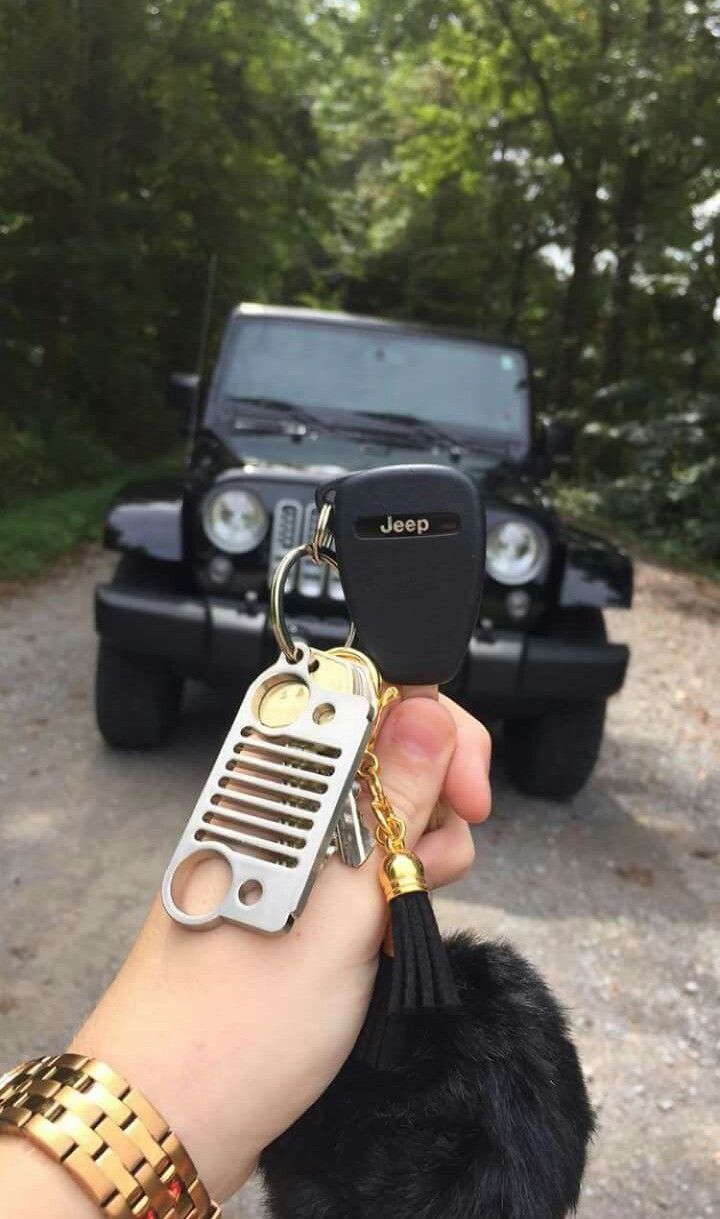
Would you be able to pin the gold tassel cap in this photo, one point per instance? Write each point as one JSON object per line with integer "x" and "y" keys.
{"x": 402, "y": 872}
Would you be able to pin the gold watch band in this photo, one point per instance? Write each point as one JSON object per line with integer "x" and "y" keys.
{"x": 107, "y": 1135}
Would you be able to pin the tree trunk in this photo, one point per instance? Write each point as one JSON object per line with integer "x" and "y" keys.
{"x": 517, "y": 287}
{"x": 627, "y": 237}
{"x": 577, "y": 311}
{"x": 706, "y": 336}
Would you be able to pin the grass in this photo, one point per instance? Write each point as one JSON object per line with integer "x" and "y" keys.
{"x": 37, "y": 533}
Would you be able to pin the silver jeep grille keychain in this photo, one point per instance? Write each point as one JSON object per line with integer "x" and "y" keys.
{"x": 280, "y": 796}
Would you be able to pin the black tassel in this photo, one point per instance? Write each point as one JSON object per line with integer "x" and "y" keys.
{"x": 416, "y": 978}
{"x": 485, "y": 1117}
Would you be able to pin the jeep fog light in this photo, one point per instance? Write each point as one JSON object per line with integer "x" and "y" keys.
{"x": 220, "y": 569}
{"x": 517, "y": 603}
{"x": 234, "y": 520}
{"x": 516, "y": 551}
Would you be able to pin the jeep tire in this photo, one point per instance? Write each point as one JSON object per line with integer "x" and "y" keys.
{"x": 552, "y": 755}
{"x": 137, "y": 699}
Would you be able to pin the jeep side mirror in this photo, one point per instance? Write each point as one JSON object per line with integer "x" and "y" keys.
{"x": 181, "y": 394}
{"x": 558, "y": 440}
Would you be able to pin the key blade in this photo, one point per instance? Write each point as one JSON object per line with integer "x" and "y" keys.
{"x": 354, "y": 840}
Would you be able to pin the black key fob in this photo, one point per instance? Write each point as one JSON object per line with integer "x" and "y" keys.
{"x": 410, "y": 543}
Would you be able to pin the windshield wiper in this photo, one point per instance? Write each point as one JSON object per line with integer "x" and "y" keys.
{"x": 298, "y": 421}
{"x": 417, "y": 425}
{"x": 297, "y": 431}
{"x": 458, "y": 443}
{"x": 357, "y": 429}
{"x": 273, "y": 416}
{"x": 260, "y": 425}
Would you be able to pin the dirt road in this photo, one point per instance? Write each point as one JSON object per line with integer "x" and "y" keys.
{"x": 616, "y": 896}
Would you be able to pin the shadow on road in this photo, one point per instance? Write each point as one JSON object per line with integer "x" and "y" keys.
{"x": 590, "y": 857}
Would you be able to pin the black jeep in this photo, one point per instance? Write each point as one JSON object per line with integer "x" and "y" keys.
{"x": 296, "y": 397}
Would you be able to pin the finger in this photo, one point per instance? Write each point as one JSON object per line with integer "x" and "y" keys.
{"x": 467, "y": 784}
{"x": 447, "y": 853}
{"x": 414, "y": 748}
{"x": 419, "y": 692}
{"x": 425, "y": 692}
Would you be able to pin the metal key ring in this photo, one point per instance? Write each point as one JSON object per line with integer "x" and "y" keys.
{"x": 321, "y": 541}
{"x": 277, "y": 592}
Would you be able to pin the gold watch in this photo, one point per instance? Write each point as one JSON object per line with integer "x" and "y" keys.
{"x": 108, "y": 1136}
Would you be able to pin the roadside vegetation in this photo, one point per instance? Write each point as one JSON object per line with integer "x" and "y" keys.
{"x": 46, "y": 527}
{"x": 648, "y": 472}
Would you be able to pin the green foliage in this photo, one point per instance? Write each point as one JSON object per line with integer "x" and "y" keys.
{"x": 39, "y": 532}
{"x": 551, "y": 171}
{"x": 60, "y": 454}
{"x": 658, "y": 469}
{"x": 135, "y": 141}
{"x": 543, "y": 170}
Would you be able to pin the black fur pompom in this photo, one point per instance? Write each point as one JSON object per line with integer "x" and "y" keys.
{"x": 486, "y": 1118}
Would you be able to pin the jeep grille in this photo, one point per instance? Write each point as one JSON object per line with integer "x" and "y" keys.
{"x": 294, "y": 523}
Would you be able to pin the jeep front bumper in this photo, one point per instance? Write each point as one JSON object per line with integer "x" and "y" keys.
{"x": 505, "y": 672}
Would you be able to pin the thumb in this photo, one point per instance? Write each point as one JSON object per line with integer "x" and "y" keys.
{"x": 414, "y": 749}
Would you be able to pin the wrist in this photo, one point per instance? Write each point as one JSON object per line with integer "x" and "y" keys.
{"x": 154, "y": 1028}
{"x": 106, "y": 1134}
{"x": 36, "y": 1187}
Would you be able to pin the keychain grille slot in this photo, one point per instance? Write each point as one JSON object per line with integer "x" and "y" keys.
{"x": 269, "y": 831}
{"x": 264, "y": 769}
{"x": 274, "y": 791}
{"x": 246, "y": 845}
{"x": 276, "y": 800}
{"x": 262, "y": 750}
{"x": 293, "y": 742}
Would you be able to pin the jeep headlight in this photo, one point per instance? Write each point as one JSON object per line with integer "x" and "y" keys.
{"x": 516, "y": 551}
{"x": 234, "y": 520}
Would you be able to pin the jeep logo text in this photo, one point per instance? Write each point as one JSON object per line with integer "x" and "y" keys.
{"x": 407, "y": 525}
{"x": 414, "y": 524}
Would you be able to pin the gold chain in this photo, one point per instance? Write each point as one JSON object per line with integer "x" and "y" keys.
{"x": 390, "y": 830}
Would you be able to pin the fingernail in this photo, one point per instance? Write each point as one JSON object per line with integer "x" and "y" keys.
{"x": 420, "y": 728}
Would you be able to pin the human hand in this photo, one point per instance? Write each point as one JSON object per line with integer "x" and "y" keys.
{"x": 232, "y": 1035}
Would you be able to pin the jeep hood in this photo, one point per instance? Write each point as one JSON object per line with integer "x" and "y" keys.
{"x": 315, "y": 461}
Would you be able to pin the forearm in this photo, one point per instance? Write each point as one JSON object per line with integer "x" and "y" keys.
{"x": 161, "y": 1027}
{"x": 231, "y": 1035}
{"x": 151, "y": 1027}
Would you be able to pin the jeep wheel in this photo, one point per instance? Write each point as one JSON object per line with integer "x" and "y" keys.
{"x": 137, "y": 699}
{"x": 553, "y": 755}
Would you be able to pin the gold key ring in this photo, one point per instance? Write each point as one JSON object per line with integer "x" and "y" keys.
{"x": 277, "y": 594}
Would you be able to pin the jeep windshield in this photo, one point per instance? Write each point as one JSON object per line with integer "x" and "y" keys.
{"x": 310, "y": 376}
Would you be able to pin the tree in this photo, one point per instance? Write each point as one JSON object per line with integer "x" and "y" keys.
{"x": 135, "y": 140}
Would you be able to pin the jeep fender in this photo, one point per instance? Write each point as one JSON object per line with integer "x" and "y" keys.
{"x": 593, "y": 571}
{"x": 147, "y": 518}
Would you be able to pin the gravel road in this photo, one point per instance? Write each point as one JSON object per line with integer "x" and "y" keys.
{"x": 615, "y": 896}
